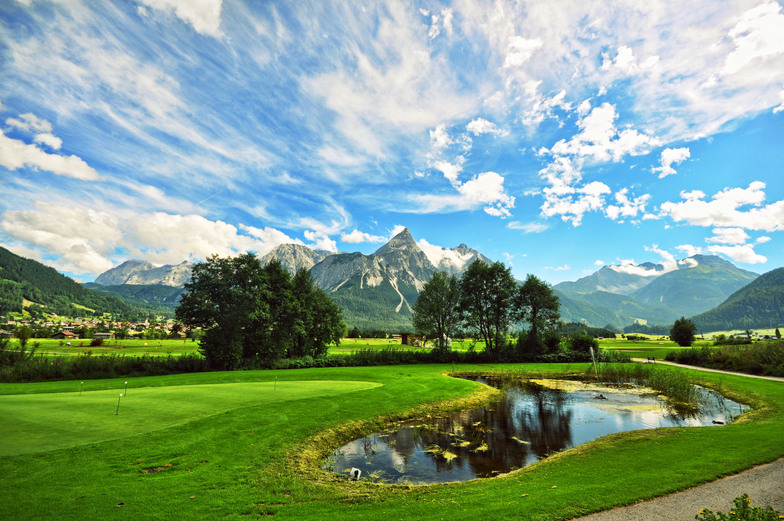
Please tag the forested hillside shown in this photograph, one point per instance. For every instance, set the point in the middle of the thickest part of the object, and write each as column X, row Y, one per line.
column 757, row 305
column 51, row 292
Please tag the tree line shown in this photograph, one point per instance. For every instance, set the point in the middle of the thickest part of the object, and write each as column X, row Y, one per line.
column 253, row 315
column 487, row 300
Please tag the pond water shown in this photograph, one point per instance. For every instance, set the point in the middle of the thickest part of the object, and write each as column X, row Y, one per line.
column 531, row 421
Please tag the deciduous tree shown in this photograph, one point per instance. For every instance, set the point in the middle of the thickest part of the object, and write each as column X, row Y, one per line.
column 436, row 313
column 683, row 331
column 486, row 292
column 537, row 305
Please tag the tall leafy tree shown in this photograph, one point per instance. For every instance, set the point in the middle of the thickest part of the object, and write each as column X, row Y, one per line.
column 229, row 299
column 537, row 305
column 436, row 313
column 318, row 320
column 486, row 292
column 682, row 332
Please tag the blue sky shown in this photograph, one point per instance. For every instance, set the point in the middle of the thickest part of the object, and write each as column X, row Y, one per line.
column 554, row 136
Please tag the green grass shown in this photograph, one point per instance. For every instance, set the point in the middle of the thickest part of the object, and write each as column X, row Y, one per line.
column 238, row 459
column 132, row 346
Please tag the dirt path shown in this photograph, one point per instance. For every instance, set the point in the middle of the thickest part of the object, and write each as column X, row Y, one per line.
column 698, row 368
column 764, row 484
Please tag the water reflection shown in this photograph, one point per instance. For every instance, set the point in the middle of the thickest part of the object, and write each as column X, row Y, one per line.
column 527, row 424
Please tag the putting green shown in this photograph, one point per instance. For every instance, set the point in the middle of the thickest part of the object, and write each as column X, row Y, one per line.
column 40, row 422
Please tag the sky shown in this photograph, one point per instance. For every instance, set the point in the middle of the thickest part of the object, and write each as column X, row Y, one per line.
column 554, row 136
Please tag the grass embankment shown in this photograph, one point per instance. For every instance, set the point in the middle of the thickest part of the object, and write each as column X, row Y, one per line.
column 237, row 456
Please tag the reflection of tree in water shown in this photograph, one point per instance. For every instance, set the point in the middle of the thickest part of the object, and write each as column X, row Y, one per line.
column 546, row 422
column 484, row 438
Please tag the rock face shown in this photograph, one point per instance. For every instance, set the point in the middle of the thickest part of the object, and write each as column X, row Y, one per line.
column 138, row 272
column 295, row 256
column 386, row 282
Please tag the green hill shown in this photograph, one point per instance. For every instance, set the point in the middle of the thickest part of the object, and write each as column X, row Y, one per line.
column 145, row 295
column 760, row 304
column 693, row 290
column 25, row 283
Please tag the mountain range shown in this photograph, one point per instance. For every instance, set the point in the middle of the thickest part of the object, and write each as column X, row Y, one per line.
column 377, row 291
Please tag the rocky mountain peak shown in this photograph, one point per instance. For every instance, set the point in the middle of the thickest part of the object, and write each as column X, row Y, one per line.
column 401, row 241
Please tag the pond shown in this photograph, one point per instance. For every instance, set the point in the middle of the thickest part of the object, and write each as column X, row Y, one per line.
column 532, row 420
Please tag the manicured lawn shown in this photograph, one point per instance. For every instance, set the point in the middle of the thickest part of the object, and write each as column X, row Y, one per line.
column 234, row 450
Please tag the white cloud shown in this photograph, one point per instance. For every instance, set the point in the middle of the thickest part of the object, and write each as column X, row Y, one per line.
column 31, row 123
column 572, row 203
column 450, row 170
column 778, row 109
column 564, row 267
column 203, row 15
column 356, row 237
column 485, row 189
column 171, row 238
column 599, row 262
column 528, row 227
column 669, row 157
column 726, row 209
column 520, row 50
column 742, row 253
column 82, row 237
column 599, row 139
column 759, row 34
column 320, row 241
column 49, row 140
column 538, row 107
column 439, row 21
column 728, row 236
column 626, row 207
column 15, row 154
column 626, row 62
column 439, row 138
column 482, row 126
column 268, row 238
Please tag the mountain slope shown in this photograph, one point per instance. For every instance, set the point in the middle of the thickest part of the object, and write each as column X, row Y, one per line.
column 692, row 290
column 295, row 256
column 621, row 280
column 378, row 290
column 25, row 279
column 136, row 271
column 759, row 304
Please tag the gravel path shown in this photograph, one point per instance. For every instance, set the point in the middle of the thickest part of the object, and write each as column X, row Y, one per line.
column 764, row 485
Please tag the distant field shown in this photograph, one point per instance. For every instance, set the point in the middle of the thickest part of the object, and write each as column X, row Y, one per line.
column 115, row 347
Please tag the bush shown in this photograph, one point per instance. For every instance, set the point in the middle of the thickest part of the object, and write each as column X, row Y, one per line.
column 96, row 342
column 743, row 511
column 762, row 359
column 583, row 343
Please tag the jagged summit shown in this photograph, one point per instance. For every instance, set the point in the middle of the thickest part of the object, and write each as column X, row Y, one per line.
column 401, row 241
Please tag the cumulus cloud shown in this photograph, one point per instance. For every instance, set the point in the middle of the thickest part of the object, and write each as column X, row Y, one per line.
column 539, row 107
column 450, row 170
column 82, row 237
column 599, row 139
column 728, row 236
column 728, row 209
column 520, row 50
column 572, row 203
column 780, row 107
column 439, row 138
column 203, row 15
column 626, row 207
column 16, row 154
column 759, row 34
column 320, row 241
column 740, row 252
column 483, row 190
column 49, row 140
column 626, row 62
column 439, row 21
column 482, row 126
column 669, row 157
column 356, row 237
column 269, row 238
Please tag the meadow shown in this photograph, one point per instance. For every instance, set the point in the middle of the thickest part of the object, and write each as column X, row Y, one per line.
column 247, row 444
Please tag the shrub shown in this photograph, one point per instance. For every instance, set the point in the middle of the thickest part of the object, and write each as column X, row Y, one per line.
column 743, row 511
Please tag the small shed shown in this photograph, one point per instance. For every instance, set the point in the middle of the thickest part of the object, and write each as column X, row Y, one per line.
column 104, row 336
column 64, row 335
column 410, row 339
